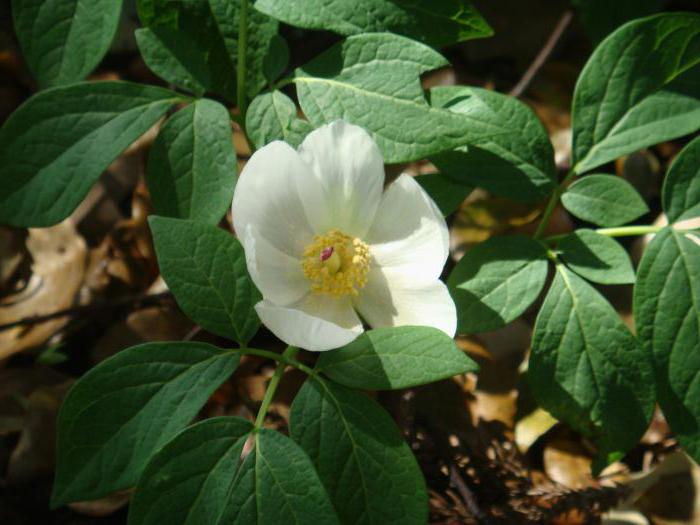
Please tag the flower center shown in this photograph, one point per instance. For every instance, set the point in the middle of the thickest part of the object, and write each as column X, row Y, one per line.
column 336, row 264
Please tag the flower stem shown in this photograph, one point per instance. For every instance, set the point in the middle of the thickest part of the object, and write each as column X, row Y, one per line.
column 289, row 353
column 553, row 201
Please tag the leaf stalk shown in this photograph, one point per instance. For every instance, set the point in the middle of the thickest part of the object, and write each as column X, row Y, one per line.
column 289, row 353
column 552, row 204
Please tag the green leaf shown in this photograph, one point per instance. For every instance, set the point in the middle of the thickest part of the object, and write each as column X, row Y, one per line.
column 496, row 281
column 517, row 163
column 393, row 358
column 64, row 40
column 56, row 145
column 638, row 88
column 448, row 195
column 273, row 116
column 276, row 59
column 183, row 43
column 192, row 166
column 667, row 316
column 179, row 60
column 194, row 44
column 373, row 80
column 277, row 484
column 602, row 17
column 267, row 53
column 587, row 369
column 368, row 470
column 596, row 257
column 127, row 407
column 605, row 200
column 443, row 23
column 205, row 268
column 681, row 190
column 187, row 481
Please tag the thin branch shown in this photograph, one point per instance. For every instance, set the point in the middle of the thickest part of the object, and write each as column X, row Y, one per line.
column 88, row 309
column 543, row 55
column 466, row 494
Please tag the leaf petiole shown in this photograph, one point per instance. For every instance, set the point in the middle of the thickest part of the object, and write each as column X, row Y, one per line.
column 280, row 358
column 621, row 231
column 289, row 353
column 552, row 204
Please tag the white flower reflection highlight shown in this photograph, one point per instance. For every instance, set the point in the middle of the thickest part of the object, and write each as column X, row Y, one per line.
column 324, row 242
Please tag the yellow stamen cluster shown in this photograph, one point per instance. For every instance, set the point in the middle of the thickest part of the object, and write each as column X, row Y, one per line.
column 336, row 264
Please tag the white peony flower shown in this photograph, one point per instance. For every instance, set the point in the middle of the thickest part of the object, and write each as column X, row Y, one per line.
column 324, row 242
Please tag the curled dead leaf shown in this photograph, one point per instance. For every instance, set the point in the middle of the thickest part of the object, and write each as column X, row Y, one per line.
column 58, row 266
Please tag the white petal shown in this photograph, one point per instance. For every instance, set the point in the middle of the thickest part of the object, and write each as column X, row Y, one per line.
column 393, row 299
column 278, row 276
column 347, row 178
column 409, row 233
column 267, row 197
column 316, row 322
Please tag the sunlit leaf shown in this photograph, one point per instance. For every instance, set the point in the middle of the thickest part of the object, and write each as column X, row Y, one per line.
column 441, row 23
column 373, row 80
column 191, row 170
column 205, row 268
column 667, row 316
column 604, row 200
column 645, row 65
column 496, row 281
column 392, row 358
column 588, row 370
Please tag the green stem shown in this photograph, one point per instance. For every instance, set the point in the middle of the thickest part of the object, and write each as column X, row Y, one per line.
column 552, row 204
column 622, row 231
column 280, row 358
column 627, row 231
column 282, row 82
column 241, row 70
column 241, row 65
column 289, row 353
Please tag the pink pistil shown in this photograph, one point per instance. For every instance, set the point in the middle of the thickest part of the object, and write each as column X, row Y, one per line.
column 326, row 253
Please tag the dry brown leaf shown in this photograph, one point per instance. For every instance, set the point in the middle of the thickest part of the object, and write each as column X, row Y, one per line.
column 533, row 426
column 670, row 493
column 568, row 463
column 124, row 261
column 58, row 254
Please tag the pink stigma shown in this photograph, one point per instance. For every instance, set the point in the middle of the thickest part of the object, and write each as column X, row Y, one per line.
column 326, row 253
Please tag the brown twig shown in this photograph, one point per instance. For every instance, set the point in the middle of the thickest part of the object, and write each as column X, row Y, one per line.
column 543, row 55
column 466, row 494
column 139, row 300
